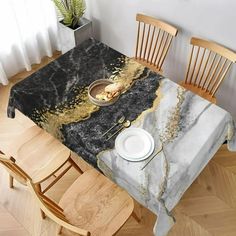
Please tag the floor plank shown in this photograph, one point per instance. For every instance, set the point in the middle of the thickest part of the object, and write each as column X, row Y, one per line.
column 9, row 226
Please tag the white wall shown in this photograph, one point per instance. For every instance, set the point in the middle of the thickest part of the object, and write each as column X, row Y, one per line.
column 114, row 24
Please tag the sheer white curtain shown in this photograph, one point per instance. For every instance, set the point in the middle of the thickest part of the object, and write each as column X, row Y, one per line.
column 28, row 31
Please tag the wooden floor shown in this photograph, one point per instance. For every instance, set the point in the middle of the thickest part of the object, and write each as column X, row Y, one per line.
column 208, row 208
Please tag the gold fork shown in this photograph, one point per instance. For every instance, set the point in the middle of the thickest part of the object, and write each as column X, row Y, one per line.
column 120, row 121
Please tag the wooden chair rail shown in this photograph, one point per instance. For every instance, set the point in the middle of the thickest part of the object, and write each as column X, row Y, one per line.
column 212, row 46
column 157, row 23
column 56, row 179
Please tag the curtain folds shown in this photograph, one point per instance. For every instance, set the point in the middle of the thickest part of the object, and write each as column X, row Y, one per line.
column 28, row 32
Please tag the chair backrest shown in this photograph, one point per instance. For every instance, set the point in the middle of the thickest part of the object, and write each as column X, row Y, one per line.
column 13, row 168
column 154, row 38
column 53, row 211
column 208, row 65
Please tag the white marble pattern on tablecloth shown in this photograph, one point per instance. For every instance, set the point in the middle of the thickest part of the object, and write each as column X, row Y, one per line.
column 191, row 130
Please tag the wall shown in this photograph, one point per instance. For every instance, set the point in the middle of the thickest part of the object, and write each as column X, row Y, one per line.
column 114, row 24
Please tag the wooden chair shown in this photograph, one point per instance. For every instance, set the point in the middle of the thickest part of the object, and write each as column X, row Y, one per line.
column 92, row 205
column 154, row 38
column 9, row 130
column 208, row 65
column 36, row 156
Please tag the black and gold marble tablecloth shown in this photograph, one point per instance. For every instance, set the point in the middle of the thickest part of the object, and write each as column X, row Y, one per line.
column 188, row 128
column 55, row 97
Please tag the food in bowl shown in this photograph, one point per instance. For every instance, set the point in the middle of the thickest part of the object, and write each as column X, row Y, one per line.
column 104, row 92
column 110, row 91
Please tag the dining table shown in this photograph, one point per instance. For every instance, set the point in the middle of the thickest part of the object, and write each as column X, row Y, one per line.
column 187, row 130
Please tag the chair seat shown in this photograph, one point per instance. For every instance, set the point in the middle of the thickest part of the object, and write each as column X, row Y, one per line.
column 15, row 142
column 148, row 65
column 10, row 130
column 195, row 89
column 40, row 155
column 96, row 204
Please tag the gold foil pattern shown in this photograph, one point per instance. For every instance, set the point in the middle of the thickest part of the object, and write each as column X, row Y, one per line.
column 172, row 125
column 81, row 108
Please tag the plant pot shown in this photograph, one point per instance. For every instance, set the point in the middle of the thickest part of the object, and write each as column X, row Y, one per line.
column 70, row 38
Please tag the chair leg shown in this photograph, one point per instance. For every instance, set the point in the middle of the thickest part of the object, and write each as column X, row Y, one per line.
column 75, row 165
column 137, row 212
column 38, row 187
column 136, row 217
column 60, row 230
column 11, row 179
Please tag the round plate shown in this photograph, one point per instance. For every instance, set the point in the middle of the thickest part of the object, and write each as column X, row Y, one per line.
column 134, row 144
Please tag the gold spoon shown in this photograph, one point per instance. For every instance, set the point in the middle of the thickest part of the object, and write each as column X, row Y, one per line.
column 126, row 124
column 120, row 121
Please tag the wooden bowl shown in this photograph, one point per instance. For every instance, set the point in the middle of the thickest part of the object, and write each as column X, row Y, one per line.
column 97, row 87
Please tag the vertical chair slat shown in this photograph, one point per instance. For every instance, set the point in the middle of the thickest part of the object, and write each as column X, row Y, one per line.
column 141, row 49
column 137, row 43
column 209, row 71
column 213, row 73
column 204, row 69
column 166, row 51
column 150, row 46
column 147, row 40
column 195, row 63
column 217, row 77
column 189, row 64
column 155, row 47
column 222, row 78
column 162, row 51
column 159, row 48
column 199, row 67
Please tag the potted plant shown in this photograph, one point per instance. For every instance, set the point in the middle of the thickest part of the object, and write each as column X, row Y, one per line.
column 73, row 28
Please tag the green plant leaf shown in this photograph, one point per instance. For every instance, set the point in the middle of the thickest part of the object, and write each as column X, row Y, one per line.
column 71, row 10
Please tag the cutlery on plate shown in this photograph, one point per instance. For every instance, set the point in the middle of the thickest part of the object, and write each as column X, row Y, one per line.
column 120, row 121
column 155, row 154
column 125, row 124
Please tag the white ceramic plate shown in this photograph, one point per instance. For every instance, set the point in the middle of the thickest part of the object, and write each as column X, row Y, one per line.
column 134, row 144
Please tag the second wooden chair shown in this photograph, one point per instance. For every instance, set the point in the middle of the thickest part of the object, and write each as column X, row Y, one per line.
column 154, row 39
column 208, row 66
column 35, row 155
column 92, row 205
